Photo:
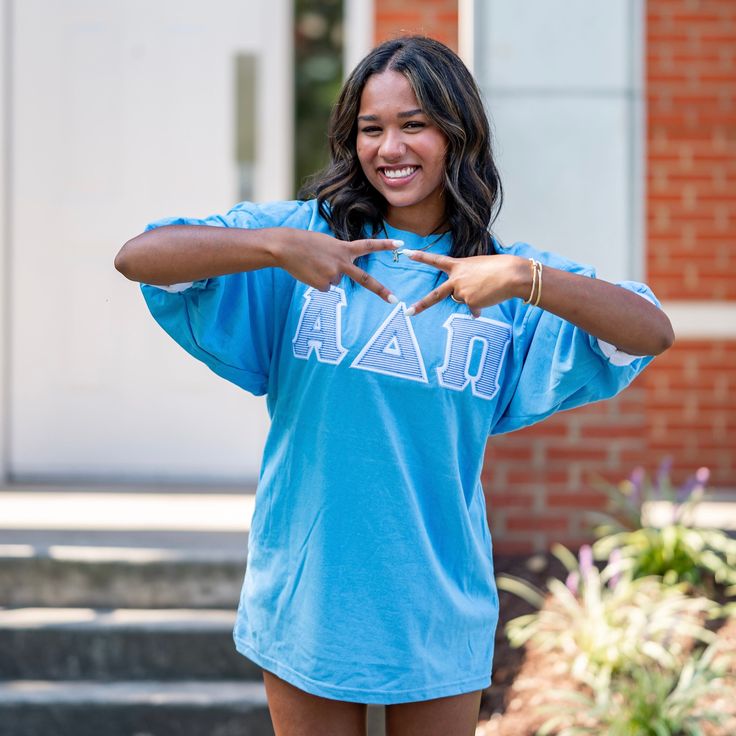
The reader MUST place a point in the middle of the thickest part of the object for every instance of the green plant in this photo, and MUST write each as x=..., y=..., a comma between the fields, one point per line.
x=601, y=623
x=678, y=551
x=648, y=701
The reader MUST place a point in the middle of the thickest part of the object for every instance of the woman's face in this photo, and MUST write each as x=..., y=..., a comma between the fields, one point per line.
x=402, y=153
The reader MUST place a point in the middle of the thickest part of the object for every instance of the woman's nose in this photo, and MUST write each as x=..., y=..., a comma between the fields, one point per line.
x=392, y=146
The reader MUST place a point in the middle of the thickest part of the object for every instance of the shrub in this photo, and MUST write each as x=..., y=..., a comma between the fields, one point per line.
x=601, y=623
x=678, y=551
x=648, y=701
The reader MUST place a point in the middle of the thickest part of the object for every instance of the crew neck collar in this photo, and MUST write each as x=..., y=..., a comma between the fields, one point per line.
x=441, y=243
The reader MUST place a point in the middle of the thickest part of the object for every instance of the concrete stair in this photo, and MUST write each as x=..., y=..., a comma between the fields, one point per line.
x=124, y=630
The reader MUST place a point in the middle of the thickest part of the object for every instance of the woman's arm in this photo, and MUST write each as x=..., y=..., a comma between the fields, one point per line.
x=175, y=254
x=606, y=311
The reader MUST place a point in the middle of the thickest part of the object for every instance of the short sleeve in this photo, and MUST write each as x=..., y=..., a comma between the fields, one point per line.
x=231, y=323
x=557, y=366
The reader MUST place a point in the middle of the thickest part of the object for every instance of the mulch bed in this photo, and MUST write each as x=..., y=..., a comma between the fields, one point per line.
x=524, y=678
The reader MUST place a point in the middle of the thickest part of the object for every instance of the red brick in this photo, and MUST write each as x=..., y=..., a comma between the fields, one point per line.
x=581, y=500
x=537, y=523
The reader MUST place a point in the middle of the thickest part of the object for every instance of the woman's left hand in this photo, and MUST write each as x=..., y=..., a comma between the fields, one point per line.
x=614, y=314
x=478, y=281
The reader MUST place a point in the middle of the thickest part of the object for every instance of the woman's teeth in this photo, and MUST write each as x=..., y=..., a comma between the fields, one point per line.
x=399, y=173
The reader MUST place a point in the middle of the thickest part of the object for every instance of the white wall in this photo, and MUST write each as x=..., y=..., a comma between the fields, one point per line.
x=4, y=246
x=563, y=84
x=122, y=113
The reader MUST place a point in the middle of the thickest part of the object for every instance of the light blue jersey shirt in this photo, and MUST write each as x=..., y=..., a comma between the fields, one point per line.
x=370, y=573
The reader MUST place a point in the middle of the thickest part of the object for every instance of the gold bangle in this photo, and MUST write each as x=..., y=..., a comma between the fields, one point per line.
x=532, y=263
x=539, y=285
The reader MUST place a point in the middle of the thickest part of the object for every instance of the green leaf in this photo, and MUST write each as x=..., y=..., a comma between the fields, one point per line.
x=521, y=588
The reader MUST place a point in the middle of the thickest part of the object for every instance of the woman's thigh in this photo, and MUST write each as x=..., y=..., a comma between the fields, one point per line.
x=453, y=716
x=296, y=713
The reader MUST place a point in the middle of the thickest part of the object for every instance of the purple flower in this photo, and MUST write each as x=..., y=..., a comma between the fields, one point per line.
x=572, y=582
x=636, y=479
x=586, y=560
x=695, y=483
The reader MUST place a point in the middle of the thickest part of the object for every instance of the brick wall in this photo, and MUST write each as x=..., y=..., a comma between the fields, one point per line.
x=435, y=18
x=691, y=229
x=691, y=96
x=691, y=408
x=540, y=481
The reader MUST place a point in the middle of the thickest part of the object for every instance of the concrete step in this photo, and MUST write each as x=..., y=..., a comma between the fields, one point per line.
x=223, y=708
x=104, y=548
x=119, y=577
x=120, y=644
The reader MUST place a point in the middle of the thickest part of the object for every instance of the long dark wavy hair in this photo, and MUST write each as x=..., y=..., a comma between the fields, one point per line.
x=449, y=97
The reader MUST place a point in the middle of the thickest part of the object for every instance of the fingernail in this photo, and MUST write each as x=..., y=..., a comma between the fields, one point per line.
x=398, y=243
x=407, y=252
x=392, y=299
x=411, y=311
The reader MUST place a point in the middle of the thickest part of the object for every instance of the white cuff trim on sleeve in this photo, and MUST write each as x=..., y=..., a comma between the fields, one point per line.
x=614, y=355
x=173, y=288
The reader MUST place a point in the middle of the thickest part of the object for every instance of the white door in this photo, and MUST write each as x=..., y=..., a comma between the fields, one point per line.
x=123, y=112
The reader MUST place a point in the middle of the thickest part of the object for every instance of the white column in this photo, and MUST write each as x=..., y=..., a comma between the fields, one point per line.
x=359, y=32
x=5, y=49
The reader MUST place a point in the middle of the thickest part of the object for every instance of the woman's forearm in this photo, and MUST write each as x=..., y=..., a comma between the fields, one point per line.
x=175, y=254
x=612, y=313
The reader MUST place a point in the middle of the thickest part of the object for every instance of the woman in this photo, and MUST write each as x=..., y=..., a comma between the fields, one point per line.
x=392, y=334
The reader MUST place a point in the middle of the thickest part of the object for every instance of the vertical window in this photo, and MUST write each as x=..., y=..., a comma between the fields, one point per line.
x=318, y=44
x=245, y=122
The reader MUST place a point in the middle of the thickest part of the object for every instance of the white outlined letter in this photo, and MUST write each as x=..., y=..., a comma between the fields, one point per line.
x=464, y=332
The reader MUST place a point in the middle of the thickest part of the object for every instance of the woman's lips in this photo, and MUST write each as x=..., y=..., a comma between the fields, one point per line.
x=399, y=175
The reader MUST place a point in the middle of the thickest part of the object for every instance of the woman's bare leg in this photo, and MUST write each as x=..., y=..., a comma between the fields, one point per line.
x=456, y=715
x=296, y=713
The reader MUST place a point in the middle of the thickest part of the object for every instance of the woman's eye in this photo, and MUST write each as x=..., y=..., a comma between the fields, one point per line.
x=370, y=129
x=414, y=124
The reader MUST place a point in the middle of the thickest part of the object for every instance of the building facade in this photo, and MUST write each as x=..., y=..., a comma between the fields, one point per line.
x=615, y=130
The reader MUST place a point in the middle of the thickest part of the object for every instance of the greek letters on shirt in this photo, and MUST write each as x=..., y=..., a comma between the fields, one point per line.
x=474, y=348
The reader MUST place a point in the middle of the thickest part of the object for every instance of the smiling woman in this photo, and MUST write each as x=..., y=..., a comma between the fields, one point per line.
x=370, y=571
x=402, y=153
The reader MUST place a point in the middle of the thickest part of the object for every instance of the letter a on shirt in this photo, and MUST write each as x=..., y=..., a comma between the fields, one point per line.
x=319, y=326
x=393, y=349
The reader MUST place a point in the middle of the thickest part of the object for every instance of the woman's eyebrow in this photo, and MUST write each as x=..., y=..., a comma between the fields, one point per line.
x=407, y=114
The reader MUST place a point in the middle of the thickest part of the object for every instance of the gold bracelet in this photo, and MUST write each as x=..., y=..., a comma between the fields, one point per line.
x=539, y=285
x=532, y=263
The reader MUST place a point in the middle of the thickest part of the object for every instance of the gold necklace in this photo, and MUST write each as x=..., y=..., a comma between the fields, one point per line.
x=397, y=253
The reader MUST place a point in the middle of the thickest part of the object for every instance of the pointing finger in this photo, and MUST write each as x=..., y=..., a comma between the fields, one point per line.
x=364, y=279
x=444, y=263
x=434, y=297
x=373, y=245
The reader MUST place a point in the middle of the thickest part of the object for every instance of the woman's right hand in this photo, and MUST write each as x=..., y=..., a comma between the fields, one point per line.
x=174, y=254
x=320, y=260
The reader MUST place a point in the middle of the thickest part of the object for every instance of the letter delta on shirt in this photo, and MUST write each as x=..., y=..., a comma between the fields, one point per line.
x=393, y=348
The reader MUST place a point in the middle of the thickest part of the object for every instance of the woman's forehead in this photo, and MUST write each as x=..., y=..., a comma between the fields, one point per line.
x=388, y=93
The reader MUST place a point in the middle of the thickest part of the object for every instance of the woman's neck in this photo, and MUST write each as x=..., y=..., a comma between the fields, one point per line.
x=401, y=218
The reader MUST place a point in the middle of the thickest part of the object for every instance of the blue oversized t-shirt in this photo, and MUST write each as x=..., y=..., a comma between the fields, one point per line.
x=370, y=572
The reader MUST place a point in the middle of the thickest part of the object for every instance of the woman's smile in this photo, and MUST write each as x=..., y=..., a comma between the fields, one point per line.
x=398, y=176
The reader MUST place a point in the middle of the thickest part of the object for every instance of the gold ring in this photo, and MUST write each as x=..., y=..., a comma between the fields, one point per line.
x=457, y=301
